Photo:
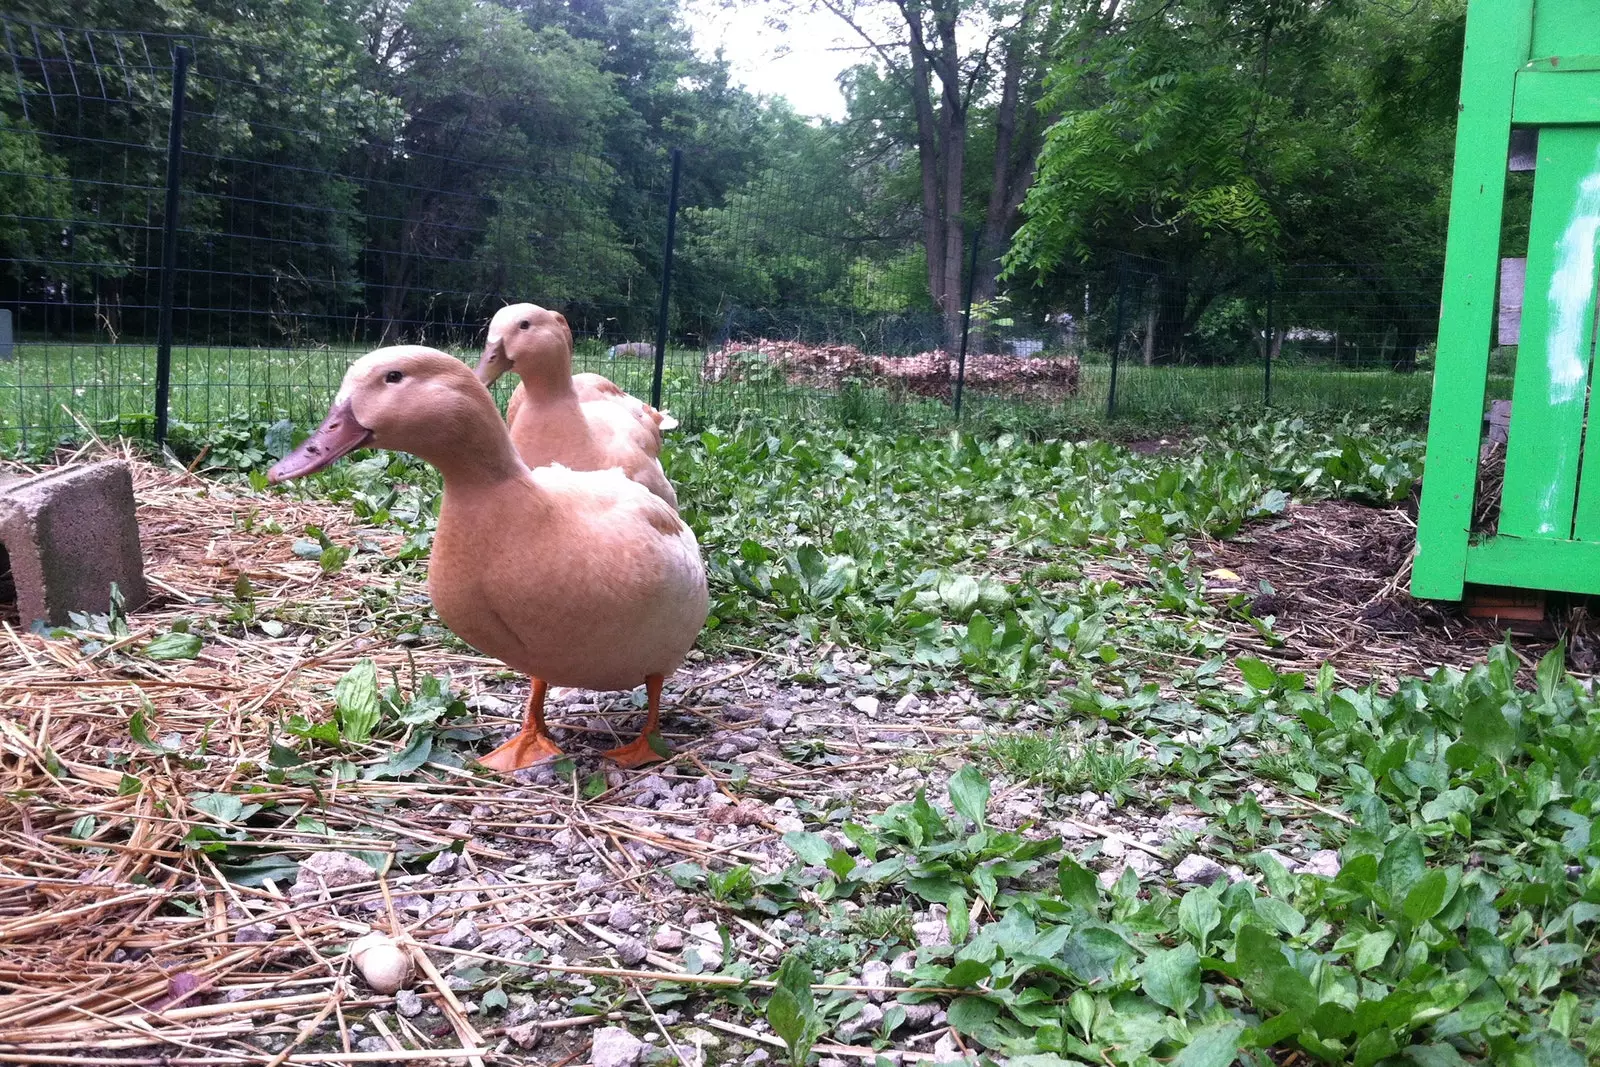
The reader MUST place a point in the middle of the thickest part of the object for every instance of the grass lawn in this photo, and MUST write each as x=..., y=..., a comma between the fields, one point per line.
x=982, y=750
x=112, y=387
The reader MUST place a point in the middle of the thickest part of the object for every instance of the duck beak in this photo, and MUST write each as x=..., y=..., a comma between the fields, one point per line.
x=339, y=435
x=494, y=362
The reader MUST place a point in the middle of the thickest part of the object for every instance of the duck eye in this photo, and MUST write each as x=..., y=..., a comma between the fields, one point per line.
x=524, y=324
x=393, y=376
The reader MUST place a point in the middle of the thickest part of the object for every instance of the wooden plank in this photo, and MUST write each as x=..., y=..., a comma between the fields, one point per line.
x=1498, y=430
x=1524, y=150
x=1565, y=27
x=1522, y=605
x=1551, y=389
x=1497, y=39
x=1557, y=97
x=1536, y=563
x=1513, y=275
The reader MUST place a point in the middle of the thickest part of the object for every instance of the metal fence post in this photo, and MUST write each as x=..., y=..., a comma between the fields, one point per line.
x=1116, y=334
x=1266, y=377
x=666, y=279
x=169, y=241
x=966, y=322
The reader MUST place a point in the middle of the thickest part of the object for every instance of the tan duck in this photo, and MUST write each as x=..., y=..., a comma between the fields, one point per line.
x=577, y=578
x=555, y=418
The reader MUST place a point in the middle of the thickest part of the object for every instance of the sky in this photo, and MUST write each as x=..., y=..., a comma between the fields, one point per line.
x=803, y=64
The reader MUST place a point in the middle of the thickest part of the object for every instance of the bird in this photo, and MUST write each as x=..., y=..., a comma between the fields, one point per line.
x=575, y=578
x=553, y=418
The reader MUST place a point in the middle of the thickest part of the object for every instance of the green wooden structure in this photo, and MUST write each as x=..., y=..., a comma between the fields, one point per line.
x=1533, y=65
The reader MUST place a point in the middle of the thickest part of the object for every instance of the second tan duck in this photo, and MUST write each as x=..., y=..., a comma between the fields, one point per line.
x=555, y=418
x=578, y=578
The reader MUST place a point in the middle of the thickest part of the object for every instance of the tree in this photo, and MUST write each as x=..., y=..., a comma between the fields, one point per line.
x=918, y=47
x=1219, y=138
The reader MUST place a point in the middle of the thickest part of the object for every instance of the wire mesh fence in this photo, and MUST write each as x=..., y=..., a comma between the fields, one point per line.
x=314, y=221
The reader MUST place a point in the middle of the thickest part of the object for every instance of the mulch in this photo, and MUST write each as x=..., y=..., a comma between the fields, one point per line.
x=1334, y=576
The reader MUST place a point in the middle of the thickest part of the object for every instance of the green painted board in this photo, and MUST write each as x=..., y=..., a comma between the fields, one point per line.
x=1536, y=563
x=1550, y=98
x=1551, y=389
x=1563, y=27
x=1497, y=46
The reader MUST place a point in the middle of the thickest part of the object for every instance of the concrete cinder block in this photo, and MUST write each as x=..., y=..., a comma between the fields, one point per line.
x=66, y=535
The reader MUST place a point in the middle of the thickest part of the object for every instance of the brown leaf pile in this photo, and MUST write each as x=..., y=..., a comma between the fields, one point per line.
x=931, y=373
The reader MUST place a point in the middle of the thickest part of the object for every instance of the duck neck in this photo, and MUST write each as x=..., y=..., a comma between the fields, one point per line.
x=473, y=450
x=546, y=371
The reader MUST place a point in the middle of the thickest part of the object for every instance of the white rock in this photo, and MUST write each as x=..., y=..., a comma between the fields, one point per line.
x=1114, y=848
x=903, y=964
x=1325, y=863
x=933, y=931
x=408, y=1003
x=945, y=1051
x=788, y=824
x=1198, y=869
x=330, y=870
x=622, y=917
x=776, y=718
x=909, y=702
x=864, y=1023
x=875, y=976
x=1144, y=864
x=919, y=1016
x=1112, y=875
x=867, y=706
x=1100, y=809
x=615, y=1047
x=668, y=940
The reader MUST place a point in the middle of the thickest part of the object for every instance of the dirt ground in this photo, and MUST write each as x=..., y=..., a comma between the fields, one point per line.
x=539, y=911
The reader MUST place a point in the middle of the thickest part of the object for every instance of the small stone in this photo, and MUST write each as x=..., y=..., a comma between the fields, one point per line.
x=920, y=1016
x=831, y=1061
x=945, y=1051
x=668, y=940
x=1198, y=870
x=1112, y=875
x=1324, y=862
x=757, y=1058
x=875, y=976
x=622, y=917
x=909, y=702
x=372, y=1044
x=630, y=950
x=864, y=1023
x=443, y=863
x=726, y=751
x=524, y=1035
x=1099, y=809
x=970, y=722
x=788, y=824
x=1144, y=864
x=408, y=1003
x=589, y=881
x=1114, y=848
x=330, y=870
x=903, y=964
x=464, y=934
x=932, y=932
x=867, y=706
x=776, y=718
x=615, y=1047
x=1087, y=799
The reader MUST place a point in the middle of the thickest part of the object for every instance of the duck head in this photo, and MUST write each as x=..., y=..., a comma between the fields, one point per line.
x=406, y=398
x=529, y=339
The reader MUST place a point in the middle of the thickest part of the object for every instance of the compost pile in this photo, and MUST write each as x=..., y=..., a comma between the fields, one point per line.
x=932, y=373
x=1334, y=579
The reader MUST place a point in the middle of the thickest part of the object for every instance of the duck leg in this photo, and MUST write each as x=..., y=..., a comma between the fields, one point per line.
x=638, y=752
x=529, y=746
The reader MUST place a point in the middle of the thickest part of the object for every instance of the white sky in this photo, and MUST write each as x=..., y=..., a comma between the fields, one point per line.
x=803, y=64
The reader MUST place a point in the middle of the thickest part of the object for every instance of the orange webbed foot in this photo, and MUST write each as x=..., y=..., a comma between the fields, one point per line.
x=523, y=750
x=639, y=751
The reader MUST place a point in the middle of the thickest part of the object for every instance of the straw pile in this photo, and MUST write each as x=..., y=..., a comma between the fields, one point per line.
x=118, y=934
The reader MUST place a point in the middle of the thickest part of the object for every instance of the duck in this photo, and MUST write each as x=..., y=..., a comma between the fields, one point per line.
x=553, y=417
x=576, y=578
